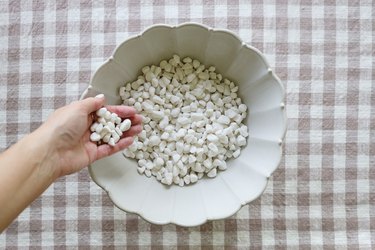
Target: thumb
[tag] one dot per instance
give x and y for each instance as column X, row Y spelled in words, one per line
column 92, row 104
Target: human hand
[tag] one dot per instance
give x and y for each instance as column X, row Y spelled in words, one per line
column 69, row 134
column 59, row 147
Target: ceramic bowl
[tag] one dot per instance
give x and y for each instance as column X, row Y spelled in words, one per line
column 246, row 177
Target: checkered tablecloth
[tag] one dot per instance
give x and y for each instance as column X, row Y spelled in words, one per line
column 321, row 196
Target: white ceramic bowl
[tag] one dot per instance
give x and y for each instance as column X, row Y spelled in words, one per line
column 246, row 177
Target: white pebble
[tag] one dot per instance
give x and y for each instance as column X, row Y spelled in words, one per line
column 175, row 112
column 200, row 175
column 125, row 125
column 242, row 108
column 118, row 131
column 230, row 113
column 212, row 138
column 118, row 120
column 223, row 120
column 141, row 170
column 148, row 173
column 93, row 126
column 99, row 128
column 236, row 153
column 149, row 165
column 107, row 115
column 157, row 115
column 111, row 142
column 222, row 165
column 176, row 157
column 154, row 140
column 241, row 141
column 115, row 137
column 101, row 112
column 212, row 173
column 187, row 179
column 193, row 178
column 213, row 148
column 196, row 116
column 159, row 162
column 106, row 138
column 95, row 137
column 181, row 183
column 111, row 125
column 243, row 131
column 192, row 158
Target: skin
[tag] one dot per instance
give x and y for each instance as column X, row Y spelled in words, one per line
column 59, row 147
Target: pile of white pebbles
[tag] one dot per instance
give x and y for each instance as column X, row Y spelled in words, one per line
column 192, row 121
column 108, row 128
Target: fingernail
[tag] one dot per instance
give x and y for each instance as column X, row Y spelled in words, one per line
column 99, row 96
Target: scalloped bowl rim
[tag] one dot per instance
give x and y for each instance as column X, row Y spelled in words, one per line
column 172, row 222
column 282, row 138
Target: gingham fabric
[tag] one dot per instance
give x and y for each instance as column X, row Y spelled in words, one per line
column 321, row 196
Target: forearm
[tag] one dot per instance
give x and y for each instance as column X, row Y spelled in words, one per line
column 26, row 171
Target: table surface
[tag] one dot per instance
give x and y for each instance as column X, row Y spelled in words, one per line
column 321, row 196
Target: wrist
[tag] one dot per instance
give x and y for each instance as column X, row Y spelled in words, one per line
column 40, row 151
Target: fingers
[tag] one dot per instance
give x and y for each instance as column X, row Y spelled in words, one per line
column 122, row 111
column 106, row 150
column 136, row 119
column 134, row 130
column 92, row 104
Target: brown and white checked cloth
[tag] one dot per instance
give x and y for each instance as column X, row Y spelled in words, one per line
column 321, row 196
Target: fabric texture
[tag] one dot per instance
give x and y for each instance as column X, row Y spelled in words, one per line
column 321, row 196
